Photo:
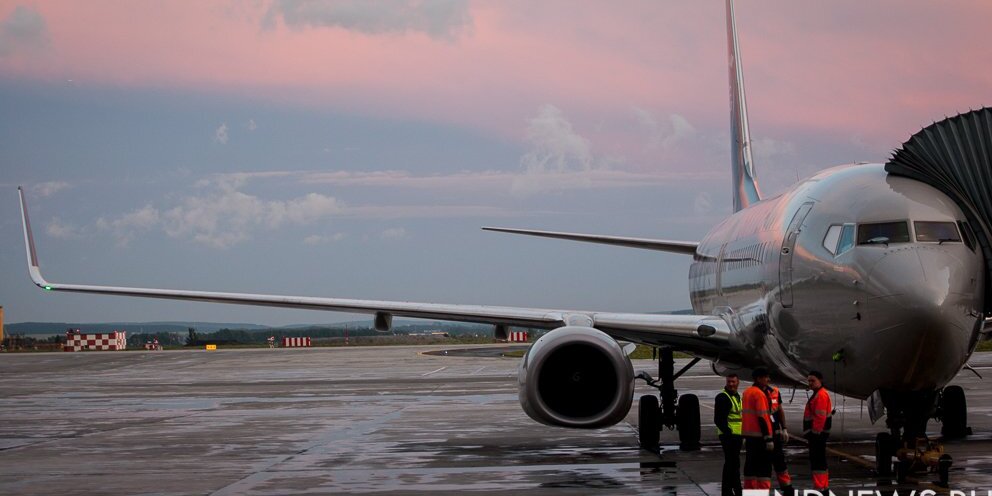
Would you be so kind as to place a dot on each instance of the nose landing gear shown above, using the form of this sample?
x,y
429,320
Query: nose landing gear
x,y
675,412
907,442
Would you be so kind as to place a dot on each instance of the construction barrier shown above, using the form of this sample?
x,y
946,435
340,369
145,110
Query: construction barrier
x,y
296,342
77,341
517,337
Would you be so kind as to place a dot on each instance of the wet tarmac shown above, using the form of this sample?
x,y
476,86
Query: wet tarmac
x,y
362,420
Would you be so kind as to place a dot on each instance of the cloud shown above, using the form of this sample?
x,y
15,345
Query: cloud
x,y
126,226
320,239
49,188
559,158
221,215
60,230
24,31
462,181
393,233
667,136
226,217
768,149
439,19
220,135
702,204
251,125
556,147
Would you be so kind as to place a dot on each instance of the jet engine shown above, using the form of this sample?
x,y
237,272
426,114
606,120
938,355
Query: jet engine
x,y
576,377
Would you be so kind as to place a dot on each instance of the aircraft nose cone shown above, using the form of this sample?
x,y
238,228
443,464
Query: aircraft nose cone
x,y
919,302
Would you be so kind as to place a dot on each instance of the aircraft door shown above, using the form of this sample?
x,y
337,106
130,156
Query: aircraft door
x,y
788,249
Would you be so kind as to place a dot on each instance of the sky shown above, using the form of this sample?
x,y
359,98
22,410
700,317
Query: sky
x,y
353,148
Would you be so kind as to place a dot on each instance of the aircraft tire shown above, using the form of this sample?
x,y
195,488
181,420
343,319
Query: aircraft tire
x,y
953,413
883,454
688,422
648,422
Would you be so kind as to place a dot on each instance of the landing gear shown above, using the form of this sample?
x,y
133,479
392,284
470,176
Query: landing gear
x,y
648,422
953,412
684,417
885,447
688,422
907,414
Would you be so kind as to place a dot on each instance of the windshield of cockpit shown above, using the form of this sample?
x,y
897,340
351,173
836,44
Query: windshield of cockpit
x,y
840,238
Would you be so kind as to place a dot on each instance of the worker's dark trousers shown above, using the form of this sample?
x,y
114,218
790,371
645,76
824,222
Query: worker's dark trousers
x,y
781,468
818,460
757,464
731,483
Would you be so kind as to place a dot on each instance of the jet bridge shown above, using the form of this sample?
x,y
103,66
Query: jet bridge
x,y
954,155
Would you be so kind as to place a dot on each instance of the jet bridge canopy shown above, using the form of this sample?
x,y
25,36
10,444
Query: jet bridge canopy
x,y
955,156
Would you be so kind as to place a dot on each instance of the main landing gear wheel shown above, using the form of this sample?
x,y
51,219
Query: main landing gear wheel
x,y
954,413
648,422
688,422
672,412
884,450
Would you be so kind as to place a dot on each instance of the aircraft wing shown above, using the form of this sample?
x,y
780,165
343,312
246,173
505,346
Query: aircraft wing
x,y
705,334
683,247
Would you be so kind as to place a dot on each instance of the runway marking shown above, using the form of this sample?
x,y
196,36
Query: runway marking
x,y
433,372
480,370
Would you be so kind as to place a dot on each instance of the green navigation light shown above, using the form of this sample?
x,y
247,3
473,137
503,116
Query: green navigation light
x,y
48,288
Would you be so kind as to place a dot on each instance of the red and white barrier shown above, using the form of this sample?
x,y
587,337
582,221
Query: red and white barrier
x,y
296,342
76,341
517,337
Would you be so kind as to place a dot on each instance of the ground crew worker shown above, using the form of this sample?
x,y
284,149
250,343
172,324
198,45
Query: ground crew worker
x,y
780,437
756,428
816,429
727,417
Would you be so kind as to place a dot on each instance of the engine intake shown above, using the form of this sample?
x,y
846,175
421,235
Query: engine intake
x,y
576,377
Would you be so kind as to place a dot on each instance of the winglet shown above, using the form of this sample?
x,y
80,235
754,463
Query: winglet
x,y
33,268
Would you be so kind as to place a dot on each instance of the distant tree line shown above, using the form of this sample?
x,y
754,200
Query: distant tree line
x,y
18,341
260,336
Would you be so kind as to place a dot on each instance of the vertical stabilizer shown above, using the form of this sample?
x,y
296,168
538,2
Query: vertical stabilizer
x,y
745,185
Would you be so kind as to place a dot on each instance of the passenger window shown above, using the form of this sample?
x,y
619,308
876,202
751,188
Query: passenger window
x,y
830,240
883,233
846,239
936,232
969,237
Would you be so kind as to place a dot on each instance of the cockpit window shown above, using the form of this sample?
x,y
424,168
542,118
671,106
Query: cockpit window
x,y
830,240
883,233
839,238
936,232
846,239
969,237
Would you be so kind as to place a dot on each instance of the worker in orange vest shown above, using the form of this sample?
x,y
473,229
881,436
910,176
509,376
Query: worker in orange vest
x,y
756,428
816,429
780,437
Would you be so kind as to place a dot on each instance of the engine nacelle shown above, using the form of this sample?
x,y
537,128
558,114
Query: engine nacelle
x,y
576,377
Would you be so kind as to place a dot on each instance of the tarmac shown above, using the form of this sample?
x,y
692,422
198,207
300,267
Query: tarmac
x,y
371,420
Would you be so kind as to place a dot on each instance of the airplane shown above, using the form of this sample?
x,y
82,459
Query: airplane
x,y
875,274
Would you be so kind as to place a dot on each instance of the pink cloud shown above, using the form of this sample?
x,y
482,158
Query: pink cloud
x,y
874,71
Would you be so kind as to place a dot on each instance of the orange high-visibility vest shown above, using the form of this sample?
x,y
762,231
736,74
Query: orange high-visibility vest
x,y
774,405
755,413
816,417
774,400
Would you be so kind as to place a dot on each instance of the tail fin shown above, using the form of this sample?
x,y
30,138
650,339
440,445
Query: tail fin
x,y
744,183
